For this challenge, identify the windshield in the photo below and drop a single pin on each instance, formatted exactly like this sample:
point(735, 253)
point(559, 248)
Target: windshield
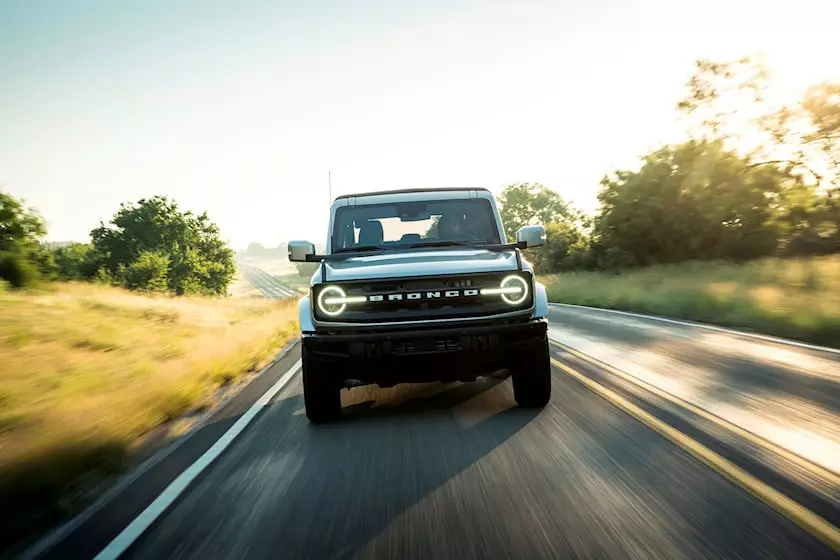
point(415, 223)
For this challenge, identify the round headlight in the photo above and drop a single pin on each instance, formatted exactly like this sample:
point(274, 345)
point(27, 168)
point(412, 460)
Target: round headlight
point(331, 309)
point(514, 290)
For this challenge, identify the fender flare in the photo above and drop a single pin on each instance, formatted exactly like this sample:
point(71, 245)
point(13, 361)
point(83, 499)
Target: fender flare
point(305, 314)
point(540, 301)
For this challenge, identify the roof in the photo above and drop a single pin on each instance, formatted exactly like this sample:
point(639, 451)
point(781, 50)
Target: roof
point(401, 191)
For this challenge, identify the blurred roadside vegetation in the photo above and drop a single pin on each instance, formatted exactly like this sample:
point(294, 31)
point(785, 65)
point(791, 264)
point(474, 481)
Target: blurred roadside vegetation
point(91, 373)
point(753, 179)
point(107, 347)
point(735, 225)
point(794, 298)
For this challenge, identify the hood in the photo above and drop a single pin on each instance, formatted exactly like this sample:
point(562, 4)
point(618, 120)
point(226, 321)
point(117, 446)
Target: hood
point(395, 264)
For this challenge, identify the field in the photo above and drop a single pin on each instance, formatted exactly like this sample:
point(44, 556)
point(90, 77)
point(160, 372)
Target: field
point(283, 270)
point(798, 299)
point(92, 375)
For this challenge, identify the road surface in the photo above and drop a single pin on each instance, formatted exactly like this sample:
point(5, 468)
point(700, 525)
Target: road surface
point(609, 469)
point(268, 285)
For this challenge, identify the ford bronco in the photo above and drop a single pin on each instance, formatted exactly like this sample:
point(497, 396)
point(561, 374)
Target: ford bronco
point(418, 286)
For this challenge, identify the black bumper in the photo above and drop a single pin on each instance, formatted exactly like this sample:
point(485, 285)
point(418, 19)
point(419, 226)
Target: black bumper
point(423, 354)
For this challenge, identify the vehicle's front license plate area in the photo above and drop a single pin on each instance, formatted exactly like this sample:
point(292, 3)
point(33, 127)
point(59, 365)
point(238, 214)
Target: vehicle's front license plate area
point(423, 345)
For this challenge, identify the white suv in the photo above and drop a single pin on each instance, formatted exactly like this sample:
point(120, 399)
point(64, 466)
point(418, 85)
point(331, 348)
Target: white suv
point(419, 286)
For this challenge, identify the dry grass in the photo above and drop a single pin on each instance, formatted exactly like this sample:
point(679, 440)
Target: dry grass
point(88, 370)
point(797, 298)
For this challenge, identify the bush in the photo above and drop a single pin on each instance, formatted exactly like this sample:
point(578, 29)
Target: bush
point(75, 261)
point(102, 276)
point(148, 272)
point(17, 269)
point(45, 263)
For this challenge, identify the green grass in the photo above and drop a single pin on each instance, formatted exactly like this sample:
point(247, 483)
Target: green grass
point(88, 372)
point(797, 298)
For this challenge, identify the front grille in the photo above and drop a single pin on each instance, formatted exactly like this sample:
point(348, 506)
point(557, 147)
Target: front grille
point(448, 345)
point(414, 299)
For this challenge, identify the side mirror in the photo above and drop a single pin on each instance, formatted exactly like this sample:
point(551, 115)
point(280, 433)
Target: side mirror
point(532, 236)
point(301, 251)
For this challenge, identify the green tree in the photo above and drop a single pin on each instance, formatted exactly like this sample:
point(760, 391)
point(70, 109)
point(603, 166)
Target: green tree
point(45, 262)
point(727, 101)
point(75, 261)
point(695, 200)
point(566, 248)
point(528, 203)
point(22, 259)
point(18, 269)
point(19, 226)
point(200, 262)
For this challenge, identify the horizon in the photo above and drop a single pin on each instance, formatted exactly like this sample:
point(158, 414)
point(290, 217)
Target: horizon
point(242, 110)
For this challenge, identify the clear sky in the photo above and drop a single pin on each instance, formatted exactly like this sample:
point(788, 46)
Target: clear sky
point(240, 108)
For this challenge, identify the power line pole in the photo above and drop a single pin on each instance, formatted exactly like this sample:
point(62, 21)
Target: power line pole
point(329, 184)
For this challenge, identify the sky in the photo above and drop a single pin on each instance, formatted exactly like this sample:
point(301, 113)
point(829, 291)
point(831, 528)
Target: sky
point(243, 108)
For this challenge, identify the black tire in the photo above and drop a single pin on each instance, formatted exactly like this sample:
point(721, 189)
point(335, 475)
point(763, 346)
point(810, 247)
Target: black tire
point(531, 375)
point(321, 396)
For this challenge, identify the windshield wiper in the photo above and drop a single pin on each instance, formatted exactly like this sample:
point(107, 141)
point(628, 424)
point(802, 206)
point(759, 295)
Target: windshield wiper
point(445, 244)
point(361, 249)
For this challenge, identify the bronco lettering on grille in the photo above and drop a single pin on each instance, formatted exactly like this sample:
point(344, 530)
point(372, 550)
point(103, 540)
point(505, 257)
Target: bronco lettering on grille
point(423, 295)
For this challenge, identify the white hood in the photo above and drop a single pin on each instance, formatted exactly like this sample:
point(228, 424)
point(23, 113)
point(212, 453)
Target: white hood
point(396, 264)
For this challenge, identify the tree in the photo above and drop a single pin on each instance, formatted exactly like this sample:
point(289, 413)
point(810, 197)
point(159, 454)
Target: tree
point(821, 105)
point(695, 200)
point(255, 249)
point(199, 261)
point(725, 99)
point(19, 226)
point(75, 261)
point(22, 259)
point(527, 203)
point(566, 248)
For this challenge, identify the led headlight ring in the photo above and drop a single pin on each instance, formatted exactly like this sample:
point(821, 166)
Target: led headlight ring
point(331, 309)
point(514, 289)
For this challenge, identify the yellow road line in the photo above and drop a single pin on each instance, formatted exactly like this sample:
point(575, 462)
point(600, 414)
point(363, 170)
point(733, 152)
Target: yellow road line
point(803, 517)
point(818, 471)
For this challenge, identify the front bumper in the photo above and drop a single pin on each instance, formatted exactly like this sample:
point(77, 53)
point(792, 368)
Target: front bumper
point(425, 354)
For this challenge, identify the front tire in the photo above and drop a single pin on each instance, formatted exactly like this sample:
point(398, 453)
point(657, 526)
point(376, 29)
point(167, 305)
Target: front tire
point(321, 396)
point(531, 375)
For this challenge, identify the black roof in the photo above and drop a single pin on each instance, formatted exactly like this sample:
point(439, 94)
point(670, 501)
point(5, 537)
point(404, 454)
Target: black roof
point(399, 191)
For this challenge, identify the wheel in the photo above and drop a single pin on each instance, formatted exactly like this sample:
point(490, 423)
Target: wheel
point(321, 396)
point(531, 375)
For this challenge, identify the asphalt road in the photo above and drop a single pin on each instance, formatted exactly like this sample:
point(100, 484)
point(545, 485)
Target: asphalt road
point(268, 285)
point(457, 471)
point(787, 394)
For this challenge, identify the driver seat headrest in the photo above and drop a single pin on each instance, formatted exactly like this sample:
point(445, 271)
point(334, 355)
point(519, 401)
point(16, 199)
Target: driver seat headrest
point(370, 233)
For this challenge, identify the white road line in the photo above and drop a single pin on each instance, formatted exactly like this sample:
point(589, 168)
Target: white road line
point(764, 337)
point(148, 516)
